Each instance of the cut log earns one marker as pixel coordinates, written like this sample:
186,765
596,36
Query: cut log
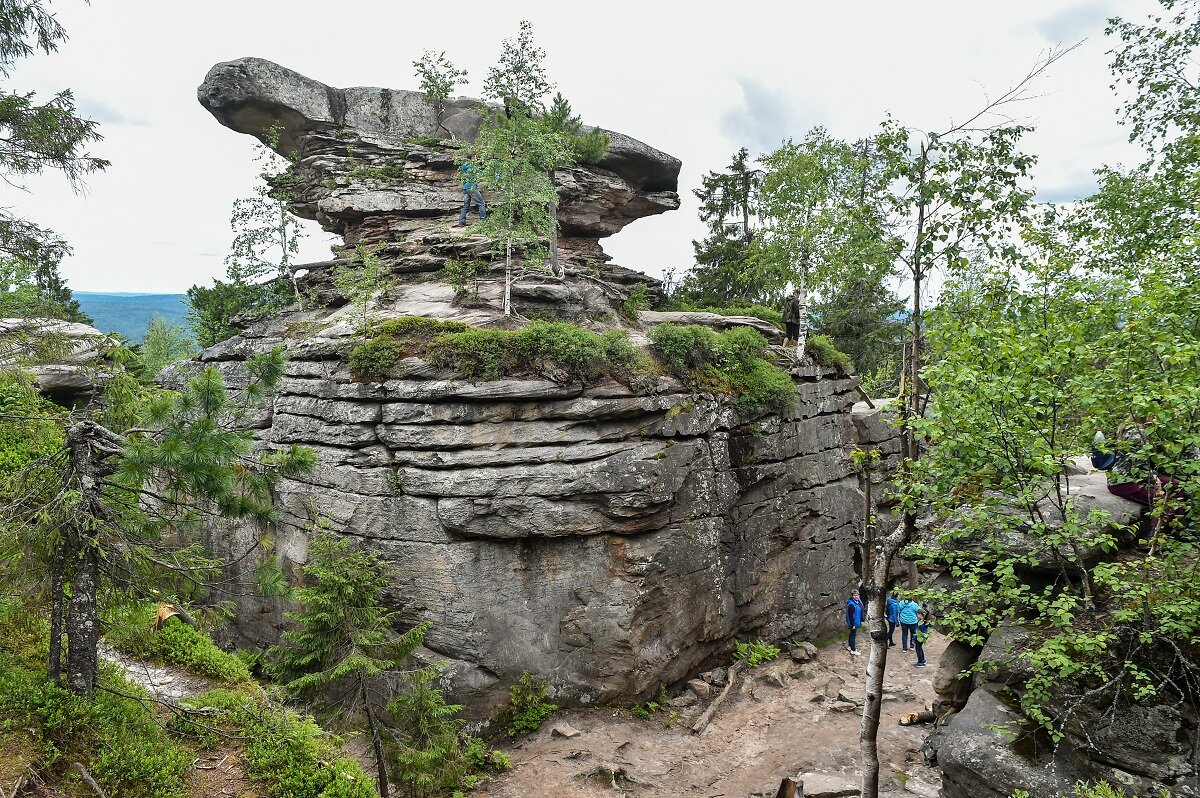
704,719
917,718
790,788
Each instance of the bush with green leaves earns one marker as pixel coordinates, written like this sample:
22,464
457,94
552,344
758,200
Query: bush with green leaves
755,653
175,642
730,362
430,754
115,738
527,705
822,349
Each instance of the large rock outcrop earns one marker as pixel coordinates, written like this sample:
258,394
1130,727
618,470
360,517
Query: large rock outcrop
610,537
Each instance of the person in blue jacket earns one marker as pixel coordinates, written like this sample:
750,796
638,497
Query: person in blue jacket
893,617
907,613
471,193
856,613
920,635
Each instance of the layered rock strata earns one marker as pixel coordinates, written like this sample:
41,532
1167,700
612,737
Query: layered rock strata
609,538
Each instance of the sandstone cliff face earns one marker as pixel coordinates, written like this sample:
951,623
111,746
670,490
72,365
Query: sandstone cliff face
608,538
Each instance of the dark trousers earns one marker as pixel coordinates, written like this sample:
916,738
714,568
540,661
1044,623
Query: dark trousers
853,641
891,633
908,632
920,651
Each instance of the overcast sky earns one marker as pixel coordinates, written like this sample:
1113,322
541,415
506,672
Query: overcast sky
697,80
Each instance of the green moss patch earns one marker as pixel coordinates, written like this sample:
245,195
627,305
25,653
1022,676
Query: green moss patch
730,362
553,350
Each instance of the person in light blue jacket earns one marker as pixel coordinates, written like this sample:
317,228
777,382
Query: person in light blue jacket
856,613
893,616
907,613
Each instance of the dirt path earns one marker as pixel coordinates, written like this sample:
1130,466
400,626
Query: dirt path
217,773
760,735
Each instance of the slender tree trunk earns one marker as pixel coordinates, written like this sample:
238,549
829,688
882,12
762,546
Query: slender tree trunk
802,322
508,278
286,261
876,667
552,210
83,625
58,567
376,744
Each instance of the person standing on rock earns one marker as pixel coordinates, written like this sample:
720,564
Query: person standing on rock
920,635
856,613
907,612
791,319
893,617
471,193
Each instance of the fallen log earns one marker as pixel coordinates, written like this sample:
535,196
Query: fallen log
917,718
704,719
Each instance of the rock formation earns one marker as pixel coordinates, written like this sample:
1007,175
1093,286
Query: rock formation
609,538
63,357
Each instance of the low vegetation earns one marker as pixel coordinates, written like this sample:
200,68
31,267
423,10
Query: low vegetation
729,362
528,706
177,643
554,350
756,653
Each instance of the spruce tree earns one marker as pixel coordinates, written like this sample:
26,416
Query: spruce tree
342,644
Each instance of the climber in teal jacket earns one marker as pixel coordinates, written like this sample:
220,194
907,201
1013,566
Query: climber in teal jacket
907,613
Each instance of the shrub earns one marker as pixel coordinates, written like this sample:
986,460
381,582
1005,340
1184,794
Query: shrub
177,643
527,705
740,347
120,743
729,362
639,299
760,388
684,348
821,348
374,359
755,654
463,276
290,755
419,330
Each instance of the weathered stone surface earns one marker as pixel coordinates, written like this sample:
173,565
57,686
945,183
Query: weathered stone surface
255,96
62,356
609,538
978,762
949,681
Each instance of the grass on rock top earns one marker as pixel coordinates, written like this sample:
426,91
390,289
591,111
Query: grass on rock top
730,362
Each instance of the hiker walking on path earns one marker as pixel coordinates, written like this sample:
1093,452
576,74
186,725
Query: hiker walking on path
920,635
856,613
893,617
908,612
471,193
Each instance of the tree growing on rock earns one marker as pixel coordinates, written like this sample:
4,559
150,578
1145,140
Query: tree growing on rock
438,78
516,155
820,204
266,240
342,646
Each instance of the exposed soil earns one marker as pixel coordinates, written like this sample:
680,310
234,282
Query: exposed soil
762,733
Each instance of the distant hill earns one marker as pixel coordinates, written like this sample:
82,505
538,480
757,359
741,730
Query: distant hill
130,314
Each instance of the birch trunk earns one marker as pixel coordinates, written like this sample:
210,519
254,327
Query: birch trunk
802,322
508,278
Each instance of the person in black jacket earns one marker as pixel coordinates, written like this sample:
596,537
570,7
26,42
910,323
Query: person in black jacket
791,319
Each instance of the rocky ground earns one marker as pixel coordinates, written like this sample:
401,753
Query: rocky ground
765,731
